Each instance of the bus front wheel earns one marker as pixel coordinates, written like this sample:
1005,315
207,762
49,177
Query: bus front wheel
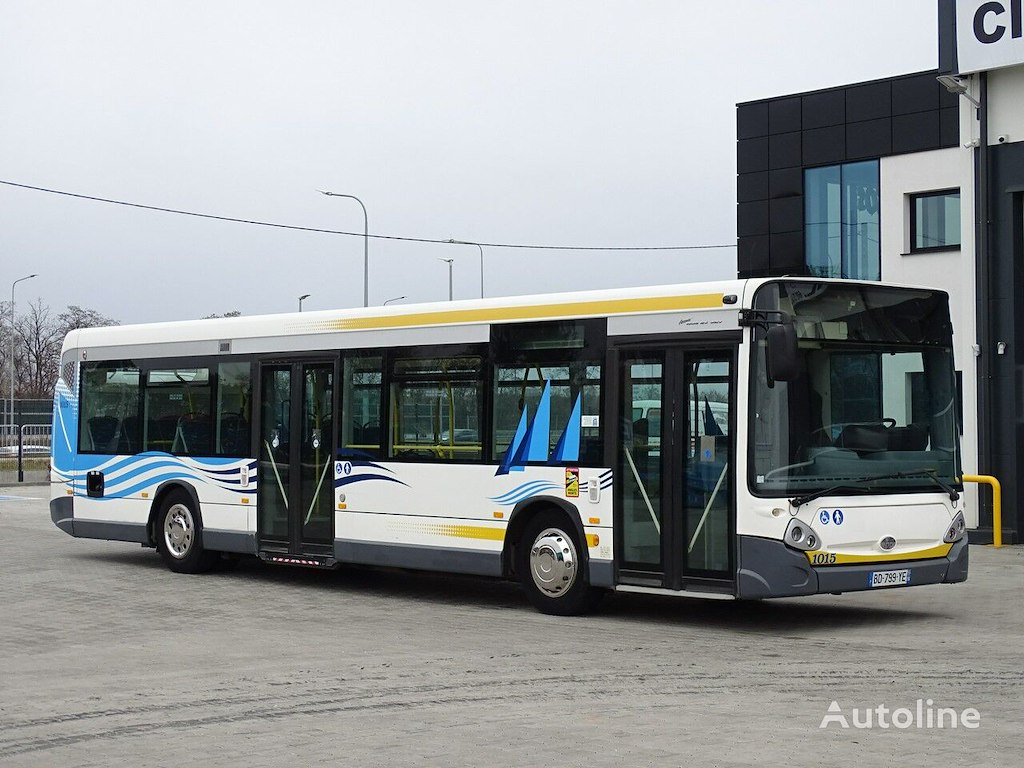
552,568
179,533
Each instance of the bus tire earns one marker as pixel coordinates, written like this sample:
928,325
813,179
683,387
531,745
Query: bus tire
552,566
179,535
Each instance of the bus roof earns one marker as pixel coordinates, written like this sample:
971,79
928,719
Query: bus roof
396,324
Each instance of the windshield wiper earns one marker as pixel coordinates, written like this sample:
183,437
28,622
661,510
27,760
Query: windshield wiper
799,501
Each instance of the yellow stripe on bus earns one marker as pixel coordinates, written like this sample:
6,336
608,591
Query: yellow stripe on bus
823,557
539,311
481,532
467,531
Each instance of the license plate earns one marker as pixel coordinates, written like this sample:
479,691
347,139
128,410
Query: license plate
889,578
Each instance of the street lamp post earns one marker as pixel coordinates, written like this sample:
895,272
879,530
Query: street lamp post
366,244
302,298
449,262
466,242
394,298
20,279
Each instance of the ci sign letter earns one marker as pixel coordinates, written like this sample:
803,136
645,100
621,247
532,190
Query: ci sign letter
983,35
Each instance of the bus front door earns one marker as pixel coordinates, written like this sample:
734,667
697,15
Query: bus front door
296,457
675,468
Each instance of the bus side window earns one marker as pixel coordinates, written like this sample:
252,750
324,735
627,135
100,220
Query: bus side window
361,399
436,408
109,407
562,359
234,403
179,397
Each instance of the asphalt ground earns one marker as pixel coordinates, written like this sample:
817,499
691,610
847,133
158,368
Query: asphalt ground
107,658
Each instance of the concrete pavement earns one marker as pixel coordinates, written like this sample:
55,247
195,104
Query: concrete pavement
107,658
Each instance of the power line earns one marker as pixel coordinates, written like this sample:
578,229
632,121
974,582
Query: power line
360,234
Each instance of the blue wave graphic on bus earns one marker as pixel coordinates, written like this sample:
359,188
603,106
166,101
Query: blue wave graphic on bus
524,491
345,472
359,478
124,476
65,429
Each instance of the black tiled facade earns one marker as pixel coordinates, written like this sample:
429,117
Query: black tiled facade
778,138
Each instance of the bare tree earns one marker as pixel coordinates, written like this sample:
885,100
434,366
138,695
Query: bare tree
77,317
38,339
37,351
5,349
231,313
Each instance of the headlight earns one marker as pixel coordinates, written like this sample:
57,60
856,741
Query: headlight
957,528
801,536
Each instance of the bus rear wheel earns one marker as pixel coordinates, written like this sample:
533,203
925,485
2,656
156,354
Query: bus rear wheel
552,568
179,535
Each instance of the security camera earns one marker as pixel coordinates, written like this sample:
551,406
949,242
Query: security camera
1002,138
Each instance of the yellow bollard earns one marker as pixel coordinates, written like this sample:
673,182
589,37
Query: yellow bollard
997,505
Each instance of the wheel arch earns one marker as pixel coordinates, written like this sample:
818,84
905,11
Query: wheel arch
162,492
525,511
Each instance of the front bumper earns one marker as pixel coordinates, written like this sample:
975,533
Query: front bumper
768,568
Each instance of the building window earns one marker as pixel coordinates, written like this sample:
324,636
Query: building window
935,220
841,223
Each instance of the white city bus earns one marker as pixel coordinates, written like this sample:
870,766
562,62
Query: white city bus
743,439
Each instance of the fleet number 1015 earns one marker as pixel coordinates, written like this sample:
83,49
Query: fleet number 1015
823,558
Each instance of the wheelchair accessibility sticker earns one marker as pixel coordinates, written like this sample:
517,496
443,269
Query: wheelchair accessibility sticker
831,516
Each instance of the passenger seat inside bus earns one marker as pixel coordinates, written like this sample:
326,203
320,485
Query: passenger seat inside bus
192,435
102,433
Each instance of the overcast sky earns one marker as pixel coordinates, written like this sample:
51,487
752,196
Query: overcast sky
567,123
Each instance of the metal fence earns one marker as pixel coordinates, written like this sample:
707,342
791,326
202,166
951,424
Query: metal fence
25,453
26,411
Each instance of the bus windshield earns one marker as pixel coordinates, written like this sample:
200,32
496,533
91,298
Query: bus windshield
874,402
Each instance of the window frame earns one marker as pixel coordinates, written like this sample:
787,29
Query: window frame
147,365
593,352
391,355
846,260
912,213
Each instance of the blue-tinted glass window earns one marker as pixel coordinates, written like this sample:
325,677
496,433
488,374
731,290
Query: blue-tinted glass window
822,230
841,222
935,220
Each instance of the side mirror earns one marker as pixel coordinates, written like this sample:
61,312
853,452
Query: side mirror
783,355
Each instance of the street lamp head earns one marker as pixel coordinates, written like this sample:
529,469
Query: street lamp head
957,86
304,296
